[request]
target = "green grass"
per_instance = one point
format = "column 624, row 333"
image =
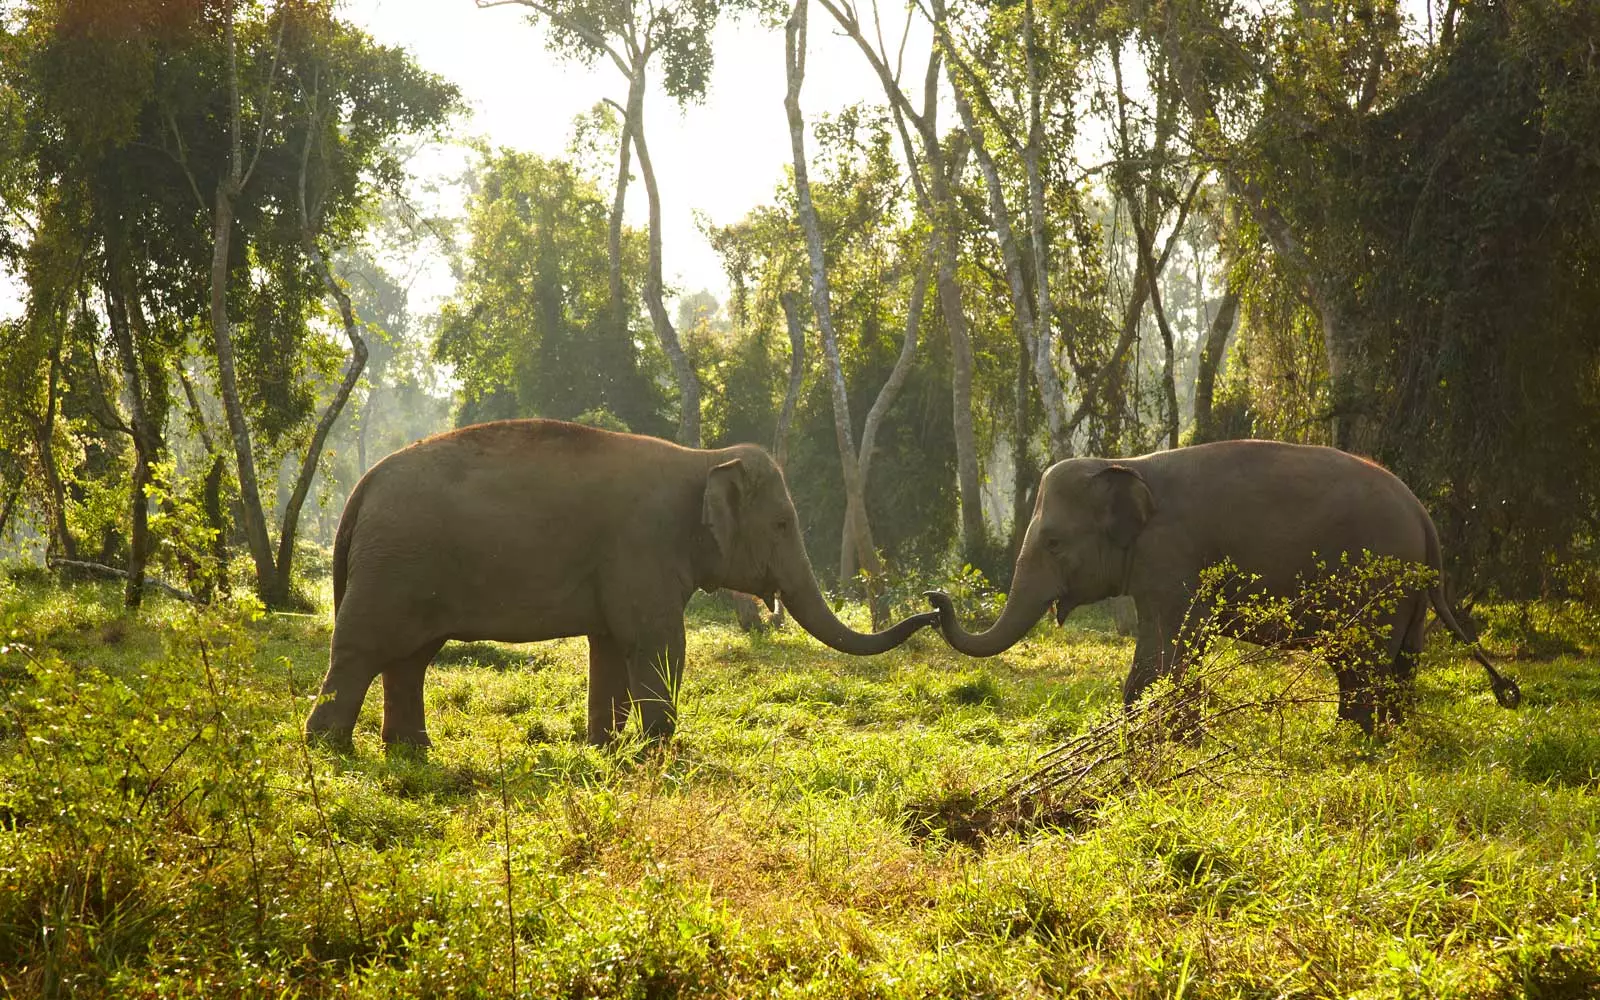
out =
column 165, row 832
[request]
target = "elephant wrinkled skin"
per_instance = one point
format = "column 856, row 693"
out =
column 523, row 530
column 1148, row 526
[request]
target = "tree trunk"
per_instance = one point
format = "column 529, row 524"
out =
column 849, row 558
column 330, row 414
column 1044, row 332
column 1040, row 343
column 617, row 295
column 44, row 435
column 1024, row 476
column 255, row 522
column 936, row 202
column 855, row 507
column 797, row 360
column 1211, row 354
column 121, row 305
column 688, row 382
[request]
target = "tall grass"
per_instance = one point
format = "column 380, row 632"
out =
column 165, row 832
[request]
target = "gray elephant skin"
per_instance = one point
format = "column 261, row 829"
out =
column 524, row 530
column 1147, row 527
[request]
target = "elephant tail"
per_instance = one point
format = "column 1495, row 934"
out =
column 1506, row 691
column 341, row 539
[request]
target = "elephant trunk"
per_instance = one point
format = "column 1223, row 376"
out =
column 1026, row 604
column 805, row 602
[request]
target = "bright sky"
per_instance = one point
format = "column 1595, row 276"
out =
column 720, row 158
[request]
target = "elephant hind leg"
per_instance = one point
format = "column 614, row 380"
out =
column 1399, row 689
column 344, row 689
column 1355, row 695
column 404, row 722
column 608, row 689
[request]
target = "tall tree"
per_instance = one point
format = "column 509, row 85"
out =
column 525, row 330
column 629, row 35
column 934, row 170
column 860, row 531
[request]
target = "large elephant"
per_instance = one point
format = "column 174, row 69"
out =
column 522, row 530
column 1147, row 527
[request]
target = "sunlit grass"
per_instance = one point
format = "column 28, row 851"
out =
column 164, row 831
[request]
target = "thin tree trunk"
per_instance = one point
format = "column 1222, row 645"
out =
column 855, row 508
column 902, row 365
column 330, row 414
column 228, row 188
column 255, row 523
column 887, row 394
column 935, row 200
column 44, row 434
column 1211, row 354
column 1044, row 332
column 797, row 359
column 688, row 382
column 1024, row 477
column 1041, row 348
column 616, row 292
column 120, row 304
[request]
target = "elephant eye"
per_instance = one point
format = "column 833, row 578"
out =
column 782, row 524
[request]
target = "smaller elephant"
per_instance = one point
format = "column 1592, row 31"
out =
column 522, row 530
column 1147, row 527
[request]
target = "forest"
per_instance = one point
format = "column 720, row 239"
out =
column 1053, row 230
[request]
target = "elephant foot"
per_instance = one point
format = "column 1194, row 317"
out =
column 417, row 738
column 409, row 753
column 336, row 738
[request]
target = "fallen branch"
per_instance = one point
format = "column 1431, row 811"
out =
column 122, row 574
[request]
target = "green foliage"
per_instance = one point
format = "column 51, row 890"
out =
column 530, row 332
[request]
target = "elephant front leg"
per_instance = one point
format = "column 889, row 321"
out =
column 1161, row 648
column 655, row 674
column 608, row 689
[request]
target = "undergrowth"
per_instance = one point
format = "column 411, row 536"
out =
column 165, row 832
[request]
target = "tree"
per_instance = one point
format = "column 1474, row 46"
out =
column 629, row 35
column 283, row 116
column 526, row 328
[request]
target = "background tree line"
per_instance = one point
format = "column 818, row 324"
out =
column 1072, row 228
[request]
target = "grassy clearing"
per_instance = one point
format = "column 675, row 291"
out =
column 164, row 832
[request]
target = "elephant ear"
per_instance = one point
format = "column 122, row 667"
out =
column 724, row 489
column 1129, row 503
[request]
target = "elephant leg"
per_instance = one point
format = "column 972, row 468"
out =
column 1164, row 645
column 1400, row 687
column 608, row 689
column 404, row 723
column 654, row 675
column 1355, row 695
column 351, row 669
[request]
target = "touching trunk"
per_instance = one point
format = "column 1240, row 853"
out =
column 1029, row 599
column 803, row 600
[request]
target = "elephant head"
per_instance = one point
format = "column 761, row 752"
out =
column 1077, row 550
column 754, row 542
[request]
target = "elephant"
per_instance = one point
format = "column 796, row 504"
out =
column 524, row 530
column 1147, row 527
